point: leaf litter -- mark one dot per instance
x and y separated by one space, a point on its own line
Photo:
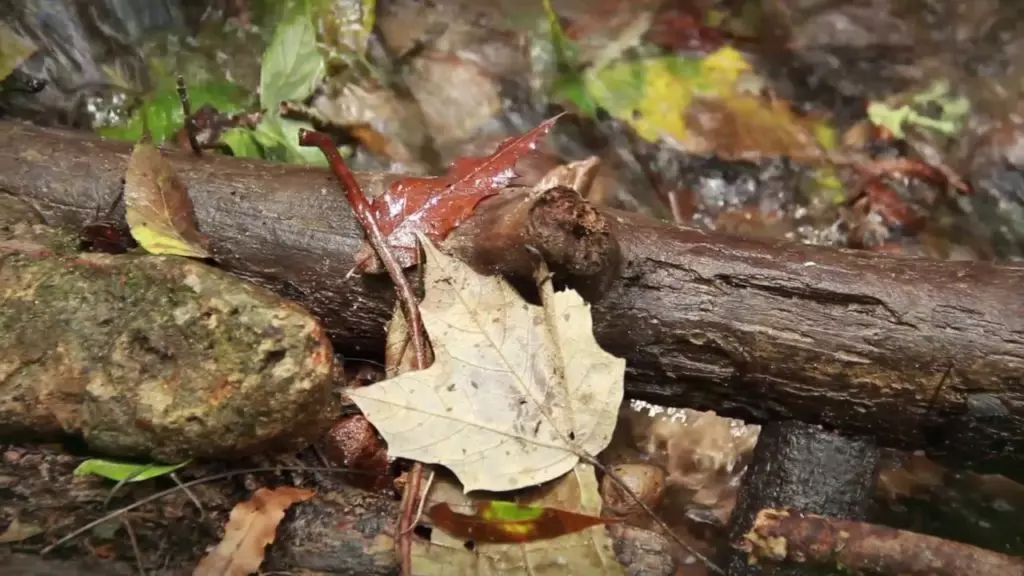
585 551
517 393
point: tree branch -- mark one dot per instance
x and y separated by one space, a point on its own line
917 353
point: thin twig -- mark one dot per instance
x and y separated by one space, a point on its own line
190 483
190 124
654 516
191 496
362 211
135 544
403 289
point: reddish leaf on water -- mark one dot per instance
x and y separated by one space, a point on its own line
436 205
504 522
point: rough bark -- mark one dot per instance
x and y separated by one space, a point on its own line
918 353
807 540
342 530
808 469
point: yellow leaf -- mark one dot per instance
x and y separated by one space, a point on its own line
724 66
653 94
157 206
13 50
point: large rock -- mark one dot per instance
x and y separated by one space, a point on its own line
156 357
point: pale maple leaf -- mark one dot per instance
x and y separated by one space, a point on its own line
517 393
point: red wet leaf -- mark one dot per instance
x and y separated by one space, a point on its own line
437 205
498 522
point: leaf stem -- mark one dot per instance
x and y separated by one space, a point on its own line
190 123
361 208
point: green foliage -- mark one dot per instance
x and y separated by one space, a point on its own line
161 111
292 66
124 471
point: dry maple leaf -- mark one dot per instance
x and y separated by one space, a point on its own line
157 206
517 392
436 205
250 528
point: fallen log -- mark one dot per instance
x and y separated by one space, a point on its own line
341 530
919 354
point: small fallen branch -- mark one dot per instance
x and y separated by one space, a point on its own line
406 297
782 535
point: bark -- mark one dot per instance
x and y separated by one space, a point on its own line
341 530
783 535
920 354
808 469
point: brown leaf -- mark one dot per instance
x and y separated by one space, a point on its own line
158 209
251 527
436 205
496 521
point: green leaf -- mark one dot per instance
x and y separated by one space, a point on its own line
243 142
124 471
280 140
163 114
292 65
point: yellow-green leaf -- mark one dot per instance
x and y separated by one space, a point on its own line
13 50
124 471
157 206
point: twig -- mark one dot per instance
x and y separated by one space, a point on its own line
190 483
135 544
361 209
191 496
190 125
783 535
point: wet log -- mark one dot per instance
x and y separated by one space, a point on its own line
919 354
341 530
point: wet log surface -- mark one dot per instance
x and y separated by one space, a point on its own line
917 353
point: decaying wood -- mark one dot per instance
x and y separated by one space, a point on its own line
342 530
810 469
918 353
782 535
